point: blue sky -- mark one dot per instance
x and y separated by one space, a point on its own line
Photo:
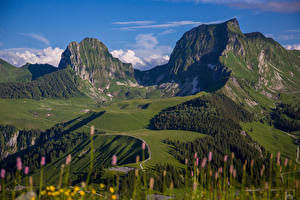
142 32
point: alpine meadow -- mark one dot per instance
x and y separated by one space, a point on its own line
213 116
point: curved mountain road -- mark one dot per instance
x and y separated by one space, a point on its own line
148 147
298 149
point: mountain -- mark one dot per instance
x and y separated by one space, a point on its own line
91 60
251 69
59 84
28 72
38 70
110 78
10 73
246 67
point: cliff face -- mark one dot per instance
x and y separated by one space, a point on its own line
220 57
194 63
91 60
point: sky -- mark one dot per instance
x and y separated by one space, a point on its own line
141 32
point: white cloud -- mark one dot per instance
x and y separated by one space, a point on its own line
134 22
287 6
37 37
128 57
145 53
166 32
146 41
21 56
293 31
292 46
169 24
288 37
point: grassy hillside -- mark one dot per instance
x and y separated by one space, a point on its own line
160 152
134 114
59 84
272 139
42 114
126 148
10 73
128 118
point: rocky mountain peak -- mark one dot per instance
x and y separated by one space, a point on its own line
215 56
233 23
91 60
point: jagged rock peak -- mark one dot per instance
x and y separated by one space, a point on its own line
92 61
233 22
93 42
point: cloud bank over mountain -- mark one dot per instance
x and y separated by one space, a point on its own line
21 56
145 53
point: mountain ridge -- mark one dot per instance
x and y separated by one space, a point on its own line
219 57
249 68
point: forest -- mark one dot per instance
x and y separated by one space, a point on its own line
219 117
52 144
211 114
62 83
287 117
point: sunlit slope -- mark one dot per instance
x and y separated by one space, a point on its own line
272 139
42 114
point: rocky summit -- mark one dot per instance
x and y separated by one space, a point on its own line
250 68
91 60
220 57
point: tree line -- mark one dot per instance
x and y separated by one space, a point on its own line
217 116
287 117
62 83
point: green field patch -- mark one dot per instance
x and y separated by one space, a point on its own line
272 139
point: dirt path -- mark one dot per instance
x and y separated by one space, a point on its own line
149 152
298 149
298 152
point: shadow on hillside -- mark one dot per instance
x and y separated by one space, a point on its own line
38 70
85 121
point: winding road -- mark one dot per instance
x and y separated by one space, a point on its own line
298 149
148 147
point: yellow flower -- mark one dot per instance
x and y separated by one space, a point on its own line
67 193
32 198
102 185
93 191
55 193
82 193
76 189
111 190
43 192
114 197
61 190
51 188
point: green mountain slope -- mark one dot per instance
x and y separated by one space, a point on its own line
249 68
26 73
63 83
10 73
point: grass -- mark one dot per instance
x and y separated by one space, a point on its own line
125 123
30 114
159 150
126 148
202 182
129 115
272 139
131 118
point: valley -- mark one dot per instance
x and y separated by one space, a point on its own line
223 95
